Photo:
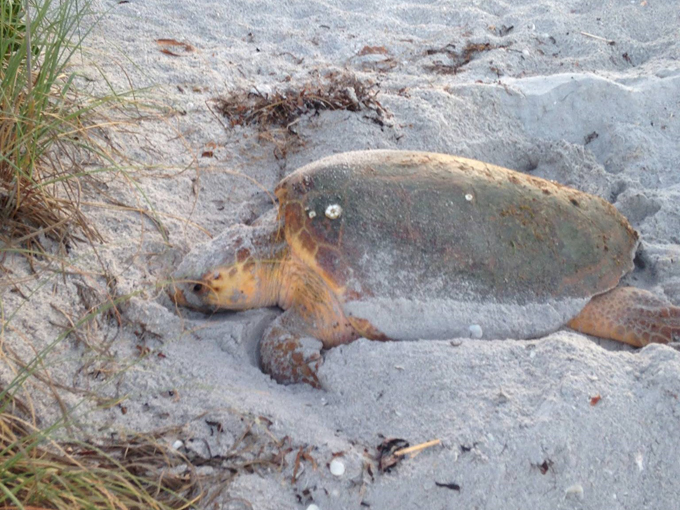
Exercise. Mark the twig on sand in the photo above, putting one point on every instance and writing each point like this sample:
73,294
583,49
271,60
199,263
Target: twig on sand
608,41
418,448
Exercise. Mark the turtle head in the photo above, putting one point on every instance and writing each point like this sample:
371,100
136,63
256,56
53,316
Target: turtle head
238,270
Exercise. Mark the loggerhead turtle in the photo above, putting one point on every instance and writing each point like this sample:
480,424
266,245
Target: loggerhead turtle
414,245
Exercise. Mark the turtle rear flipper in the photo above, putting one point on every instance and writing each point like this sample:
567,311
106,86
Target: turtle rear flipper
629,315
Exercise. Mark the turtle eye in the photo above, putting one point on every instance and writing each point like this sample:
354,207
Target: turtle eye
198,288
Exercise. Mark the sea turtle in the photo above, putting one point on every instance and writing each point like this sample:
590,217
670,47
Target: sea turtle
413,245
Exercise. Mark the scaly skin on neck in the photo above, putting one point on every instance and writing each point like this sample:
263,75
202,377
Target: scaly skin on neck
260,275
251,275
281,277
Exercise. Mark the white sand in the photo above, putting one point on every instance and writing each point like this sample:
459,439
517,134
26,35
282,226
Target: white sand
515,418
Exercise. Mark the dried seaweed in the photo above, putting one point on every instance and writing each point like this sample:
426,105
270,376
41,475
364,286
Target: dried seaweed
461,58
275,115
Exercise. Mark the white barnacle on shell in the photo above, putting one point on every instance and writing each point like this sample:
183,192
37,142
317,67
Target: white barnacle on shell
469,197
311,214
333,211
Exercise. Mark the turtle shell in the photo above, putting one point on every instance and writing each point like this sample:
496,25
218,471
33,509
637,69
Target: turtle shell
430,245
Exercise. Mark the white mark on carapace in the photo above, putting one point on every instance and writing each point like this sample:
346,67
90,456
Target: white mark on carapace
469,197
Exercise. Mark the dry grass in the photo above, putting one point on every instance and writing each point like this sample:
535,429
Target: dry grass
134,473
36,472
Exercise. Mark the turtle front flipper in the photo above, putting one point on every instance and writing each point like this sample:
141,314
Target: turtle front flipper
629,315
287,354
290,350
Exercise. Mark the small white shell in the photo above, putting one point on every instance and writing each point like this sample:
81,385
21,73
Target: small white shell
469,197
574,491
475,331
333,211
337,467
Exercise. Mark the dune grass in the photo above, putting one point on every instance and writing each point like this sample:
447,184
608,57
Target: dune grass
46,128
43,125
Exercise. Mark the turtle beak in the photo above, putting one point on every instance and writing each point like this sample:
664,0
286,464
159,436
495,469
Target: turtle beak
189,294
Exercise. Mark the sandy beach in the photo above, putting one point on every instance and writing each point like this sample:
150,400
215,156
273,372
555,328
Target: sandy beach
586,93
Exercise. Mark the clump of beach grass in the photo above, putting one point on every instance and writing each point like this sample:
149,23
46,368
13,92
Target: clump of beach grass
42,122
37,473
46,128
